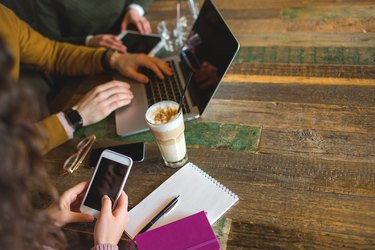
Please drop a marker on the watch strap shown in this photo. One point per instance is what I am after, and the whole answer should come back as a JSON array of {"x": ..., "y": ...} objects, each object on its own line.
[
  {"x": 106, "y": 56},
  {"x": 73, "y": 118}
]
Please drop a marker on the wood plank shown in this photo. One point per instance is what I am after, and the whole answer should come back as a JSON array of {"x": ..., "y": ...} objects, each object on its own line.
[
  {"x": 311, "y": 142},
  {"x": 300, "y": 80},
  {"x": 294, "y": 116},
  {"x": 326, "y": 12},
  {"x": 290, "y": 194},
  {"x": 238, "y": 4},
  {"x": 347, "y": 95},
  {"x": 305, "y": 73},
  {"x": 306, "y": 70},
  {"x": 272, "y": 236},
  {"x": 308, "y": 174},
  {"x": 281, "y": 174},
  {"x": 262, "y": 24},
  {"x": 165, "y": 5},
  {"x": 283, "y": 202},
  {"x": 339, "y": 56},
  {"x": 306, "y": 39}
]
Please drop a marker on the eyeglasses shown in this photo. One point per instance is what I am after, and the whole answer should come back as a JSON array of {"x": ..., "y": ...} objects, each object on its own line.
[{"x": 75, "y": 160}]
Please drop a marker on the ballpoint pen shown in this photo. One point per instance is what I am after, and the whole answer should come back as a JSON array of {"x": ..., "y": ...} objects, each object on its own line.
[{"x": 165, "y": 210}]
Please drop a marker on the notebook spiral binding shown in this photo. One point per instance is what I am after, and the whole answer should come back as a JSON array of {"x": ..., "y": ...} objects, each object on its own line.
[{"x": 214, "y": 181}]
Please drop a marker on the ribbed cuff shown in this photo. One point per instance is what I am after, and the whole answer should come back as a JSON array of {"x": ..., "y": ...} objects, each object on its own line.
[
  {"x": 105, "y": 247},
  {"x": 88, "y": 38},
  {"x": 68, "y": 129},
  {"x": 138, "y": 8}
]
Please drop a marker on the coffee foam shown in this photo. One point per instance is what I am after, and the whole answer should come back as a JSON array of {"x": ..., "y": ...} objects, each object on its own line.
[
  {"x": 164, "y": 115},
  {"x": 166, "y": 111}
]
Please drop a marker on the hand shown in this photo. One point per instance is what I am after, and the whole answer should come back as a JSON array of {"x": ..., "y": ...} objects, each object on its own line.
[
  {"x": 107, "y": 41},
  {"x": 206, "y": 76},
  {"x": 66, "y": 209},
  {"x": 132, "y": 17},
  {"x": 102, "y": 100},
  {"x": 111, "y": 225},
  {"x": 127, "y": 64}
]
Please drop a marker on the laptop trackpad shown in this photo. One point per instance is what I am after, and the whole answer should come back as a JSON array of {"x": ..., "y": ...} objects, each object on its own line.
[{"x": 131, "y": 118}]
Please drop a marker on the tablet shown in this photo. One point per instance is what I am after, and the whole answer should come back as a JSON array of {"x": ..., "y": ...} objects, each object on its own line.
[{"x": 135, "y": 42}]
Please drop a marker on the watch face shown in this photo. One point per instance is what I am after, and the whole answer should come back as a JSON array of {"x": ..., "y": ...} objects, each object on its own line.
[{"x": 74, "y": 118}]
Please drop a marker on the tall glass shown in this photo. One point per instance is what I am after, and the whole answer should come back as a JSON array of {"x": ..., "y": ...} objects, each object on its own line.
[
  {"x": 175, "y": 32},
  {"x": 167, "y": 126}
]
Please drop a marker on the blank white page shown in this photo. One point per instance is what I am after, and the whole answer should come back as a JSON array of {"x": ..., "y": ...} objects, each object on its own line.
[{"x": 198, "y": 191}]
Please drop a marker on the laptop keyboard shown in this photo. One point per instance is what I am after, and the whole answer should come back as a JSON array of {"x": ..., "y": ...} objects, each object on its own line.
[{"x": 164, "y": 89}]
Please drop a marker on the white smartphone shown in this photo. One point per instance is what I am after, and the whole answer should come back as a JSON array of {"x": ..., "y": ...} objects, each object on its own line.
[
  {"x": 135, "y": 42},
  {"x": 111, "y": 173}
]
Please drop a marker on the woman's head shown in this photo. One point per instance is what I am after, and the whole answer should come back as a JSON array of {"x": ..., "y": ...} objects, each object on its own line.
[{"x": 21, "y": 170}]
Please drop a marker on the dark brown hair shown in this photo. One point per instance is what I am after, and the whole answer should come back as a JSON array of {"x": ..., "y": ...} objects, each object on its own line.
[{"x": 21, "y": 170}]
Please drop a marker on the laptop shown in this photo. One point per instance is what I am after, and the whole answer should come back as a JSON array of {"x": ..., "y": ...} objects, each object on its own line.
[{"x": 205, "y": 58}]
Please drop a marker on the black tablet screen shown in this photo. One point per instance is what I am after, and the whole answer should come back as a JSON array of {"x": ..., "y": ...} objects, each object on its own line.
[{"x": 137, "y": 43}]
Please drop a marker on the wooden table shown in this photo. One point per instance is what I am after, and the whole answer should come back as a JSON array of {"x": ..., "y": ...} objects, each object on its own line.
[{"x": 306, "y": 74}]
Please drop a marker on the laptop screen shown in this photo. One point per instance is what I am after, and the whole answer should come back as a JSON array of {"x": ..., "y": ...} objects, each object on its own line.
[{"x": 209, "y": 51}]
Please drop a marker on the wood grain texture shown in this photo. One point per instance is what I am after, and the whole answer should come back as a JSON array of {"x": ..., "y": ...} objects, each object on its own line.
[
  {"x": 305, "y": 73},
  {"x": 308, "y": 56},
  {"x": 294, "y": 115},
  {"x": 281, "y": 197},
  {"x": 351, "y": 72},
  {"x": 301, "y": 25},
  {"x": 347, "y": 95},
  {"x": 329, "y": 145}
]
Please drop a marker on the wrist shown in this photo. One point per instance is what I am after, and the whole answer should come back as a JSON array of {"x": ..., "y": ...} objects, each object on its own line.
[
  {"x": 68, "y": 129},
  {"x": 113, "y": 60}
]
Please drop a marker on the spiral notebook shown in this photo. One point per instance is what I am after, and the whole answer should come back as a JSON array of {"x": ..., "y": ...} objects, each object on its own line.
[{"x": 198, "y": 191}]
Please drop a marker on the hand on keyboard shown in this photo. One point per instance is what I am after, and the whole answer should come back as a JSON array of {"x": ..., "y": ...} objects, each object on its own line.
[
  {"x": 128, "y": 65},
  {"x": 168, "y": 88}
]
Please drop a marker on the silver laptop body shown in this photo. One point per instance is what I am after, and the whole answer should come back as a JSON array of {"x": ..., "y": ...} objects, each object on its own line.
[{"x": 208, "y": 53}]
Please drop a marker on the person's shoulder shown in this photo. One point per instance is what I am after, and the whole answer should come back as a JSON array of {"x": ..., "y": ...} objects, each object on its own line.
[
  {"x": 6, "y": 12},
  {"x": 8, "y": 19}
]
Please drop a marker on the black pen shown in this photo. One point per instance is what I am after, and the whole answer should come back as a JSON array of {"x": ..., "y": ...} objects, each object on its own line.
[{"x": 165, "y": 210}]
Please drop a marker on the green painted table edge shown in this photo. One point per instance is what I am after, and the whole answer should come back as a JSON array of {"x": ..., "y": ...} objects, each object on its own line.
[{"x": 198, "y": 134}]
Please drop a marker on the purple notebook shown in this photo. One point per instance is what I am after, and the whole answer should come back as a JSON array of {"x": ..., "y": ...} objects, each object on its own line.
[{"x": 192, "y": 232}]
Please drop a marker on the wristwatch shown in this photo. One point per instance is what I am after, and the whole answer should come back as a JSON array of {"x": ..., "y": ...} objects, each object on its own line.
[
  {"x": 106, "y": 56},
  {"x": 73, "y": 118}
]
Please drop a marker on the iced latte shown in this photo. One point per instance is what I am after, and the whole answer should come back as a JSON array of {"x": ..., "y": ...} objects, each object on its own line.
[{"x": 167, "y": 126}]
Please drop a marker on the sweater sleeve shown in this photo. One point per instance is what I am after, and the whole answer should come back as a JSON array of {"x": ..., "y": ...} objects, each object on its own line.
[
  {"x": 54, "y": 131},
  {"x": 104, "y": 247}
]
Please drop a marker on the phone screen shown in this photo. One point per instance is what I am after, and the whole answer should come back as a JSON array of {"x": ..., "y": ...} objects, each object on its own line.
[
  {"x": 137, "y": 43},
  {"x": 108, "y": 179},
  {"x": 133, "y": 150}
]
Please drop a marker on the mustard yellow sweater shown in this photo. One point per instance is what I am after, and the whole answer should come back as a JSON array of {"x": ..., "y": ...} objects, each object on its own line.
[{"x": 28, "y": 46}]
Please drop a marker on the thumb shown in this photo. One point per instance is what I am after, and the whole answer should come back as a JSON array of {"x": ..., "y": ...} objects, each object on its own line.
[{"x": 106, "y": 204}]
